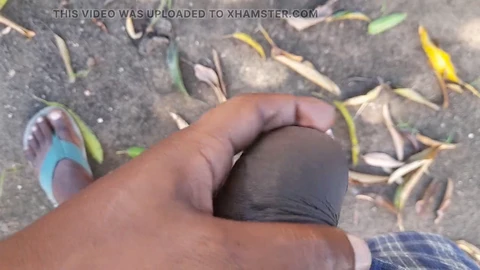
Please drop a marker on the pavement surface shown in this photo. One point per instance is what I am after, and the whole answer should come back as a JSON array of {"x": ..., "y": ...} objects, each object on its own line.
[{"x": 127, "y": 95}]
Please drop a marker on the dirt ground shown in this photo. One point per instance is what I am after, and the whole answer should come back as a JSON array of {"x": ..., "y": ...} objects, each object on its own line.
[{"x": 132, "y": 93}]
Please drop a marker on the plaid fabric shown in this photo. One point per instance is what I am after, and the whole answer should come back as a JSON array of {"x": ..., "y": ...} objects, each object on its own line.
[{"x": 412, "y": 250}]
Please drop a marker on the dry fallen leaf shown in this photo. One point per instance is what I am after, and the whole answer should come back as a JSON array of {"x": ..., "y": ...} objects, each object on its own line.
[
  {"x": 100, "y": 25},
  {"x": 348, "y": 15},
  {"x": 360, "y": 100},
  {"x": 425, "y": 154},
  {"x": 455, "y": 87},
  {"x": 367, "y": 179},
  {"x": 181, "y": 123},
  {"x": 472, "y": 89},
  {"x": 309, "y": 73},
  {"x": 210, "y": 77},
  {"x": 131, "y": 29},
  {"x": 65, "y": 54},
  {"x": 416, "y": 97},
  {"x": 434, "y": 143},
  {"x": 406, "y": 169},
  {"x": 446, "y": 202},
  {"x": 322, "y": 13},
  {"x": 427, "y": 198},
  {"x": 304, "y": 68},
  {"x": 379, "y": 201},
  {"x": 382, "y": 160},
  {"x": 16, "y": 27},
  {"x": 132, "y": 152},
  {"x": 218, "y": 67},
  {"x": 351, "y": 130},
  {"x": 398, "y": 141},
  {"x": 407, "y": 188},
  {"x": 470, "y": 249},
  {"x": 251, "y": 42}
]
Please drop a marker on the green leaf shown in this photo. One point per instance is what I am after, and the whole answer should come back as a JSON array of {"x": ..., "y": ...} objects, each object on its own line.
[
  {"x": 385, "y": 23},
  {"x": 173, "y": 62},
  {"x": 351, "y": 129},
  {"x": 132, "y": 152},
  {"x": 92, "y": 144},
  {"x": 3, "y": 3}
]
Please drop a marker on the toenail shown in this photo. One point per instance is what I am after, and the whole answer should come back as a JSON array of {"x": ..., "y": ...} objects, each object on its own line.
[
  {"x": 34, "y": 128},
  {"x": 55, "y": 115},
  {"x": 40, "y": 119}
]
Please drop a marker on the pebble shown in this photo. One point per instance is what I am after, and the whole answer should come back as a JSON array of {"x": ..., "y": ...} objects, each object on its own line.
[
  {"x": 11, "y": 73},
  {"x": 87, "y": 93},
  {"x": 100, "y": 120},
  {"x": 471, "y": 136},
  {"x": 19, "y": 187},
  {"x": 10, "y": 115},
  {"x": 110, "y": 109},
  {"x": 442, "y": 125},
  {"x": 121, "y": 69}
]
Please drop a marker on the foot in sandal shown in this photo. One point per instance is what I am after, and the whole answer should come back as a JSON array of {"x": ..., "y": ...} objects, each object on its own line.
[{"x": 54, "y": 146}]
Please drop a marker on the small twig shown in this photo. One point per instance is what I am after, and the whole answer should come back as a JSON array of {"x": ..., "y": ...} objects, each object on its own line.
[{"x": 16, "y": 27}]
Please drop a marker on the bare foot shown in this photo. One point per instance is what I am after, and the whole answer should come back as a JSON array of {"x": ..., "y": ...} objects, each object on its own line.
[{"x": 69, "y": 177}]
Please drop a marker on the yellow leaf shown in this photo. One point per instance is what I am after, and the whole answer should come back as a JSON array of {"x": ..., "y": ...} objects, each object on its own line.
[
  {"x": 439, "y": 59},
  {"x": 370, "y": 96},
  {"x": 16, "y": 27},
  {"x": 309, "y": 73},
  {"x": 470, "y": 249},
  {"x": 62, "y": 47},
  {"x": 347, "y": 15},
  {"x": 416, "y": 97},
  {"x": 351, "y": 129},
  {"x": 251, "y": 42},
  {"x": 92, "y": 144}
]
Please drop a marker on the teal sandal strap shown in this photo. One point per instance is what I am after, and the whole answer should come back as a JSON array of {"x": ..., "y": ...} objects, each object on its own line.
[{"x": 59, "y": 150}]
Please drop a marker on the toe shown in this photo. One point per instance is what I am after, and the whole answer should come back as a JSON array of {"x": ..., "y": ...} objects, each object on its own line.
[
  {"x": 45, "y": 128},
  {"x": 62, "y": 126},
  {"x": 33, "y": 144},
  {"x": 37, "y": 133}
]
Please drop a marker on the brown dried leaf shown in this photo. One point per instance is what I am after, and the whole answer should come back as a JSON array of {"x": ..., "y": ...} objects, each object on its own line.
[
  {"x": 370, "y": 96},
  {"x": 218, "y": 67},
  {"x": 398, "y": 141},
  {"x": 416, "y": 97},
  {"x": 65, "y": 54},
  {"x": 210, "y": 77},
  {"x": 406, "y": 169},
  {"x": 425, "y": 154},
  {"x": 16, "y": 27},
  {"x": 434, "y": 143},
  {"x": 382, "y": 160},
  {"x": 428, "y": 197},
  {"x": 323, "y": 12},
  {"x": 446, "y": 201},
  {"x": 411, "y": 183},
  {"x": 309, "y": 73},
  {"x": 379, "y": 201},
  {"x": 100, "y": 24},
  {"x": 367, "y": 178},
  {"x": 181, "y": 123}
]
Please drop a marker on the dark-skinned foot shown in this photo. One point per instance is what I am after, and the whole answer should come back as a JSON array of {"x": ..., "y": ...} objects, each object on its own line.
[{"x": 69, "y": 177}]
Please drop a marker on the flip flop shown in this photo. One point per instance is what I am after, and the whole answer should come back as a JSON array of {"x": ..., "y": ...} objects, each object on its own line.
[{"x": 59, "y": 150}]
